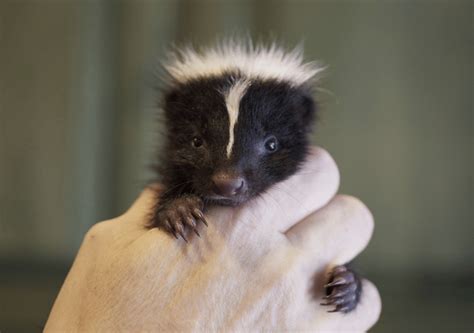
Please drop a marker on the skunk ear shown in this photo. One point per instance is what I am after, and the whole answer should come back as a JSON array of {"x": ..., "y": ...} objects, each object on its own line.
[
  {"x": 307, "y": 110},
  {"x": 170, "y": 103},
  {"x": 170, "y": 97}
]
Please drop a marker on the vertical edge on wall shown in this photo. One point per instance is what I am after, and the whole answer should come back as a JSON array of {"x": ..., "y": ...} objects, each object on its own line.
[{"x": 92, "y": 118}]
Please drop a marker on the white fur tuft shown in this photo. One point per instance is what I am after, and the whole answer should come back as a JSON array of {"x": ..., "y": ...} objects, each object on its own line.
[{"x": 253, "y": 62}]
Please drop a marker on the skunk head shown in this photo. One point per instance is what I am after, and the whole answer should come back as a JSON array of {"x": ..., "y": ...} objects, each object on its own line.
[{"x": 237, "y": 119}]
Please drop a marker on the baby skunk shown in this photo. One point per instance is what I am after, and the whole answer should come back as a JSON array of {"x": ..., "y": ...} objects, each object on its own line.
[{"x": 238, "y": 120}]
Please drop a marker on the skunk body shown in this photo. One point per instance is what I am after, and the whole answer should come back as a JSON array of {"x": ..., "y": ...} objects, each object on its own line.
[{"x": 237, "y": 120}]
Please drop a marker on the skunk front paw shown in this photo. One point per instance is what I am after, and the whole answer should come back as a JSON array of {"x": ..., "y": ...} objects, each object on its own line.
[
  {"x": 342, "y": 290},
  {"x": 175, "y": 215}
]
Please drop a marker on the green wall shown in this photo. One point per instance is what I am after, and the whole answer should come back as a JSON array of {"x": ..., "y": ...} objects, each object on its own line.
[{"x": 78, "y": 127}]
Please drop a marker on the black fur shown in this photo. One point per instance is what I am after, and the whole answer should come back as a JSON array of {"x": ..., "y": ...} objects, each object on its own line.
[{"x": 269, "y": 109}]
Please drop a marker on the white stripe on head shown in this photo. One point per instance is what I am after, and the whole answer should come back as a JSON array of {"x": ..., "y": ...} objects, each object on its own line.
[
  {"x": 232, "y": 100},
  {"x": 266, "y": 62}
]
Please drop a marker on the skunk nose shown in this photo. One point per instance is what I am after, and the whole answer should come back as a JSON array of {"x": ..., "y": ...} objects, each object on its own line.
[{"x": 227, "y": 185}]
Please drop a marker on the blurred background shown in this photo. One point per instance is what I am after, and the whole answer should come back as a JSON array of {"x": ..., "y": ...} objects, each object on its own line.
[{"x": 77, "y": 131}]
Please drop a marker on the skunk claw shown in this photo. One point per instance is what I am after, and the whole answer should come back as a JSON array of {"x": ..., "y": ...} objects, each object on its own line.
[
  {"x": 343, "y": 290},
  {"x": 199, "y": 215},
  {"x": 336, "y": 282},
  {"x": 179, "y": 214}
]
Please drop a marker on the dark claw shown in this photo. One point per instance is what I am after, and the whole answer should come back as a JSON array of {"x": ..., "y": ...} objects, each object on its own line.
[
  {"x": 338, "y": 270},
  {"x": 343, "y": 290},
  {"x": 170, "y": 228},
  {"x": 335, "y": 294},
  {"x": 191, "y": 222},
  {"x": 198, "y": 214},
  {"x": 182, "y": 235},
  {"x": 178, "y": 215},
  {"x": 179, "y": 228},
  {"x": 340, "y": 293},
  {"x": 336, "y": 282},
  {"x": 337, "y": 301},
  {"x": 345, "y": 308}
]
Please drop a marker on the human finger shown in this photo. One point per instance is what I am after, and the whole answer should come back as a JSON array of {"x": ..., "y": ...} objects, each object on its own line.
[
  {"x": 290, "y": 201},
  {"x": 333, "y": 235}
]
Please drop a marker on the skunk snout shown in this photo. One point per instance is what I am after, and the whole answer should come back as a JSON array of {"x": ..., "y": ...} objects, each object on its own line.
[{"x": 227, "y": 184}]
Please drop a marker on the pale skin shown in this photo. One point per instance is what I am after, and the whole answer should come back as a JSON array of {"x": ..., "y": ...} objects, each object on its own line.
[{"x": 260, "y": 266}]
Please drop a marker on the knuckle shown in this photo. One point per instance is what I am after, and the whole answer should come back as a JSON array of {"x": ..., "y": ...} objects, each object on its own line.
[
  {"x": 357, "y": 213},
  {"x": 96, "y": 231},
  {"x": 357, "y": 223},
  {"x": 324, "y": 162}
]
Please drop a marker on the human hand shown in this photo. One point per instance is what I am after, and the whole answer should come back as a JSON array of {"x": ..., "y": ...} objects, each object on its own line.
[{"x": 259, "y": 266}]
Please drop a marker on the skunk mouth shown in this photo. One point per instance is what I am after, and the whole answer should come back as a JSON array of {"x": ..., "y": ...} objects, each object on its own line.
[{"x": 226, "y": 201}]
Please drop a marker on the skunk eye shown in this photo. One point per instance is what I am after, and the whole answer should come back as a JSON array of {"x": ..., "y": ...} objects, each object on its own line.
[
  {"x": 197, "y": 142},
  {"x": 271, "y": 144}
]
